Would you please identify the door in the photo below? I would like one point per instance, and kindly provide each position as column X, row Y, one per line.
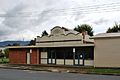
column 28, row 58
column 79, row 59
column 52, row 57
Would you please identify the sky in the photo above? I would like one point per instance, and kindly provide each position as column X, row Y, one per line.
column 26, row 19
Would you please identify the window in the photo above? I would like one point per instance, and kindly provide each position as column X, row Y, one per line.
column 69, row 53
column 43, row 55
column 87, row 51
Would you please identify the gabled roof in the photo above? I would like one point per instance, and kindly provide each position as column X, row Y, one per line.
column 106, row 35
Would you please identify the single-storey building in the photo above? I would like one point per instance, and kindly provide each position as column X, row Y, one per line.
column 62, row 47
column 68, row 47
column 107, row 50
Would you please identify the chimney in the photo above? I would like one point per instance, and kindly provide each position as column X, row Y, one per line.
column 83, row 34
column 86, row 32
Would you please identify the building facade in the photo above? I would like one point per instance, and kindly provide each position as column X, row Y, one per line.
column 68, row 47
column 107, row 50
column 61, row 47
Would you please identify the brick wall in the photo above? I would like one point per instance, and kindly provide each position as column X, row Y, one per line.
column 33, row 56
column 19, row 56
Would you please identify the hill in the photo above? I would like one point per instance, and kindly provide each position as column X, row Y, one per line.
column 5, row 43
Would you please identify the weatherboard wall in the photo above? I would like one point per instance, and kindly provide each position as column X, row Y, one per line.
column 107, row 52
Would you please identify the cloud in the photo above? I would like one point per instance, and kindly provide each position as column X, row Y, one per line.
column 13, row 18
column 16, row 21
column 41, row 17
column 31, row 18
column 100, row 21
column 5, row 30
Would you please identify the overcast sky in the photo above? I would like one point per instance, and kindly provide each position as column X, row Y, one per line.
column 26, row 19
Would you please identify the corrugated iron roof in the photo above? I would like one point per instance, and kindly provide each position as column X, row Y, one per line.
column 106, row 35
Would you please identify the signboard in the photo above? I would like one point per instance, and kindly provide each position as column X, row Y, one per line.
column 74, row 50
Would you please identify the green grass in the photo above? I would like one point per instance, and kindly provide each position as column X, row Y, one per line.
column 4, row 60
column 104, row 71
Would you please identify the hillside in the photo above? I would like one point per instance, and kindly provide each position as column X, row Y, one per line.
column 5, row 43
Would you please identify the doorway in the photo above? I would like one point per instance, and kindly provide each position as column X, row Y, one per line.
column 28, row 58
column 79, row 59
column 52, row 57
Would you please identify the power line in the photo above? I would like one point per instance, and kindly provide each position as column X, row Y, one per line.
column 90, row 6
column 83, row 10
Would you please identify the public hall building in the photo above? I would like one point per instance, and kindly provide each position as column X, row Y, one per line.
column 68, row 47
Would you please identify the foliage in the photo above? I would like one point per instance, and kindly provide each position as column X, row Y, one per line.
column 32, row 42
column 44, row 33
column 115, row 28
column 1, row 54
column 6, row 53
column 4, row 60
column 14, row 44
column 83, row 28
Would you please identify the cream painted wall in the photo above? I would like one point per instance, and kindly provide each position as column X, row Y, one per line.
column 107, row 52
column 60, row 37
column 60, row 61
column 89, row 63
column 43, row 61
column 69, row 62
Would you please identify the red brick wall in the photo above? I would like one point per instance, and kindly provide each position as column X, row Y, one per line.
column 17, row 56
column 33, row 56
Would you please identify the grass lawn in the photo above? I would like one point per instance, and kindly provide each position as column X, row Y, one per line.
column 93, row 70
column 4, row 60
column 104, row 71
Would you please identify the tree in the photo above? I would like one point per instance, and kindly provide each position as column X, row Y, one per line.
column 115, row 28
column 6, row 52
column 83, row 28
column 44, row 33
column 32, row 42
column 16, row 44
column 8, row 45
column 1, row 54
